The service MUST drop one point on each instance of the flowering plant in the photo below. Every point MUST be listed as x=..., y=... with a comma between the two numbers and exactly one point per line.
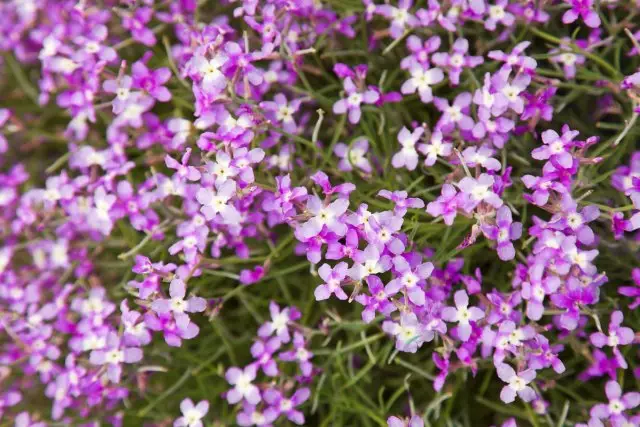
x=275, y=212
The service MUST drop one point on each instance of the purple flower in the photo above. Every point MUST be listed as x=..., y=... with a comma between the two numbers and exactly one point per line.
x=421, y=80
x=282, y=111
x=279, y=404
x=479, y=190
x=618, y=403
x=354, y=98
x=516, y=58
x=369, y=262
x=353, y=155
x=300, y=354
x=243, y=387
x=280, y=321
x=329, y=216
x=407, y=156
x=209, y=74
x=585, y=9
x=151, y=81
x=498, y=13
x=437, y=147
x=114, y=354
x=263, y=351
x=503, y=232
x=455, y=62
x=379, y=299
x=409, y=278
x=462, y=314
x=474, y=156
x=333, y=278
x=182, y=169
x=217, y=202
x=456, y=114
x=556, y=147
x=419, y=51
x=402, y=202
x=446, y=204
x=517, y=384
x=414, y=421
x=401, y=18
x=137, y=24
x=410, y=333
x=177, y=305
x=617, y=336
x=631, y=291
x=192, y=415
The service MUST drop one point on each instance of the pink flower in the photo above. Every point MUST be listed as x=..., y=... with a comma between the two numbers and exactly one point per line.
x=463, y=314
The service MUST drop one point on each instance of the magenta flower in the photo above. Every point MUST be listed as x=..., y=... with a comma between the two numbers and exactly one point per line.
x=151, y=81
x=462, y=314
x=280, y=322
x=218, y=202
x=585, y=9
x=456, y=61
x=503, y=232
x=446, y=205
x=409, y=278
x=556, y=147
x=192, y=415
x=281, y=405
x=182, y=169
x=378, y=301
x=177, y=305
x=517, y=384
x=263, y=352
x=632, y=291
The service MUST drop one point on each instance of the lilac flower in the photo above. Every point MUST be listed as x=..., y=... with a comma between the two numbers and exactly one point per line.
x=354, y=98
x=299, y=353
x=135, y=330
x=446, y=204
x=600, y=366
x=414, y=421
x=263, y=351
x=208, y=72
x=280, y=321
x=379, y=299
x=617, y=336
x=517, y=384
x=631, y=291
x=409, y=278
x=279, y=404
x=419, y=51
x=333, y=278
x=410, y=333
x=569, y=59
x=137, y=24
x=456, y=114
x=503, y=232
x=251, y=416
x=177, y=305
x=192, y=415
x=183, y=170
x=462, y=314
x=618, y=403
x=282, y=111
x=407, y=156
x=421, y=80
x=217, y=202
x=329, y=216
x=353, y=155
x=369, y=262
x=437, y=147
x=556, y=147
x=455, y=62
x=479, y=190
x=243, y=387
x=113, y=355
x=516, y=58
x=481, y=156
x=584, y=9
x=401, y=18
x=151, y=81
x=498, y=13
x=402, y=202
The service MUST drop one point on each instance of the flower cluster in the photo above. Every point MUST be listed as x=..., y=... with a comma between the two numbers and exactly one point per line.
x=460, y=176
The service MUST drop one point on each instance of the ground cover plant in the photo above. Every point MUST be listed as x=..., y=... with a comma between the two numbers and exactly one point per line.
x=319, y=212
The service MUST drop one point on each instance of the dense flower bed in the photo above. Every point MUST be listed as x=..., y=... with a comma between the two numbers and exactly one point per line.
x=262, y=212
